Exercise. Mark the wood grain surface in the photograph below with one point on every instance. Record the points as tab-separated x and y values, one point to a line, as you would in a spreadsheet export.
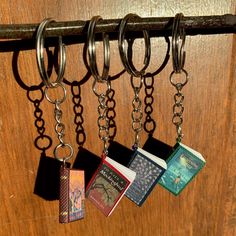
207	207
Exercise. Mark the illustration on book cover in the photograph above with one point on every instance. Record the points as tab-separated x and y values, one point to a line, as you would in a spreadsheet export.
106	189
182	167
148	173
76	196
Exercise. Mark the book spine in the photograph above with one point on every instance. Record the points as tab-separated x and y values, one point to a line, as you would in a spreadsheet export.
64	195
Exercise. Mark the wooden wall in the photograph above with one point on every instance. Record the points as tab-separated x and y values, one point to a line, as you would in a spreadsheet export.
206	207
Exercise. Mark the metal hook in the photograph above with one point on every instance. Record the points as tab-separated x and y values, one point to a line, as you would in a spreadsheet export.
124	52
92	51
178	41
40	38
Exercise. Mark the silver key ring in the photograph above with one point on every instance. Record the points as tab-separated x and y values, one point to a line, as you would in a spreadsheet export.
178	41
124	51
40	38
92	51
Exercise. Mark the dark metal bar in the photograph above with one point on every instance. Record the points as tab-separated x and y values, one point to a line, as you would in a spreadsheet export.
218	24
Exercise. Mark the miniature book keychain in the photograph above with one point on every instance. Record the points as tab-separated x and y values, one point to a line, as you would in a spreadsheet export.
71	199
111	180
148	167
184	162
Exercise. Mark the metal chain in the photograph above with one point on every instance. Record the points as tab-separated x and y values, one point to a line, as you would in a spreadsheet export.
59	126
178	107
137	113
103	121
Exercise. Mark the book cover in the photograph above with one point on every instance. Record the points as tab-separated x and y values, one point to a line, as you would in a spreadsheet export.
182	165
149	169
72	196
108	185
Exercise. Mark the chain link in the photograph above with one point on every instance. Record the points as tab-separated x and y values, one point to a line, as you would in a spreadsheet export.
103	121
178	107
137	113
59	126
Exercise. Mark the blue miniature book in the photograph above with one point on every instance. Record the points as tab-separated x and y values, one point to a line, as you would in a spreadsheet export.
182	165
149	169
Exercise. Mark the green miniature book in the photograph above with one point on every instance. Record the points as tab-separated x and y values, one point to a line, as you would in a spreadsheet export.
182	165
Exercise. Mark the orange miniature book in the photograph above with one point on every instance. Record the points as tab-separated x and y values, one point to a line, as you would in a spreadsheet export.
71	200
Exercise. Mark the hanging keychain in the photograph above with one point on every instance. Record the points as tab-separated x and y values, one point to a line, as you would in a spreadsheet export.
111	180
148	167
184	162
71	199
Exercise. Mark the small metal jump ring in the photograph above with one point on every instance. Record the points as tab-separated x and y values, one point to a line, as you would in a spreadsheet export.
108	89
92	51
124	52
63	145
178	41
56	101
138	87
181	84
40	38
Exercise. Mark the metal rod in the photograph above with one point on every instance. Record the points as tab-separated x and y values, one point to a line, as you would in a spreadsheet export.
218	24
